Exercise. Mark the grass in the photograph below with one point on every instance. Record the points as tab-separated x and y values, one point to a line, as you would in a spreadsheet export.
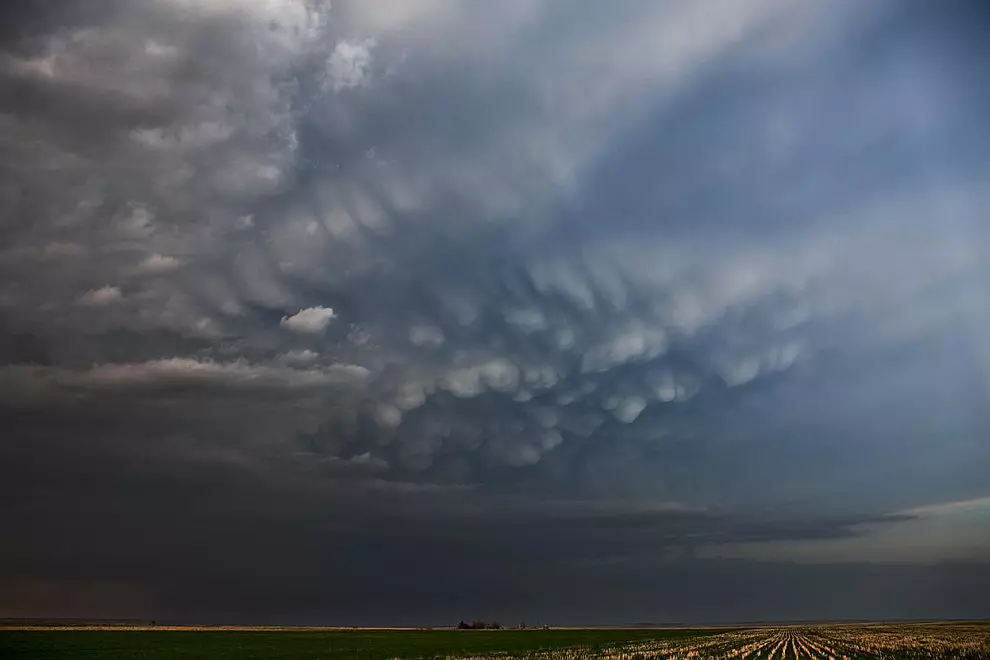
311	645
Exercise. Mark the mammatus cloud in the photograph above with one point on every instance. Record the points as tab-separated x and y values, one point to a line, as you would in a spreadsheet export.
309	320
306	188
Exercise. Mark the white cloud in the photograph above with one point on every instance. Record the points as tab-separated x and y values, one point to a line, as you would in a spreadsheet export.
666	389
157	263
139	223
627	410
297	358
309	321
411	396
350	64
105	295
739	372
500	375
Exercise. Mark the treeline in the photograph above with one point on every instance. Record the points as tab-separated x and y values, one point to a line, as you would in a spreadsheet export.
479	625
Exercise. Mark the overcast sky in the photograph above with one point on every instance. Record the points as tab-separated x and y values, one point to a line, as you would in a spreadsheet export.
409	311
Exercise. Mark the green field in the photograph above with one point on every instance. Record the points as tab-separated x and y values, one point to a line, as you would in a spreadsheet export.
325	645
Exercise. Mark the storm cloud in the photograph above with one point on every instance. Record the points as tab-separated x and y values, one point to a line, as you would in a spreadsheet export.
538	290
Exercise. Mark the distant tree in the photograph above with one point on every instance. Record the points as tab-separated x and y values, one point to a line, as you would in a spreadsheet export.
462	625
478	624
494	625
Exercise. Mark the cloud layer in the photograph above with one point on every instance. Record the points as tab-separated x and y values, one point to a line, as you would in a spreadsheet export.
729	257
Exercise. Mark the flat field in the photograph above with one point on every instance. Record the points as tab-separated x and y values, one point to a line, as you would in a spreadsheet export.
916	640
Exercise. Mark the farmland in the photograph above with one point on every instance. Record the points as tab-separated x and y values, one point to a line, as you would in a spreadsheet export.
919	640
796	643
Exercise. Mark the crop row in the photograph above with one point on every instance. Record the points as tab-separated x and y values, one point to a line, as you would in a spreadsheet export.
846	642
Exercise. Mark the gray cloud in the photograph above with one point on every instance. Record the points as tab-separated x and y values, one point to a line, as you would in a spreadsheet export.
730	258
105	295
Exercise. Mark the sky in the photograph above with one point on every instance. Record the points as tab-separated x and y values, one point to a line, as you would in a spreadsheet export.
401	312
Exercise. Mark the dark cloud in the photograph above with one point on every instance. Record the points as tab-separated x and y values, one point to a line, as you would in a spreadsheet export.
434	286
167	536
